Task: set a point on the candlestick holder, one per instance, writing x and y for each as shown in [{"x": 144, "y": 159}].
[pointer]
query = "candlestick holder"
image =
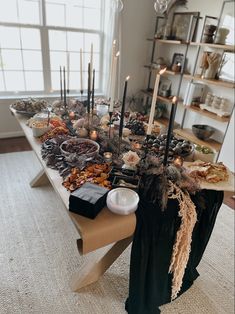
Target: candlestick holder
[
  {"x": 110, "y": 122},
  {"x": 119, "y": 145},
  {"x": 145, "y": 145},
  {"x": 81, "y": 92}
]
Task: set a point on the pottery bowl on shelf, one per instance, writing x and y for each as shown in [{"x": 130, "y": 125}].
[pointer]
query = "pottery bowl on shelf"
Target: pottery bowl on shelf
[
  {"x": 80, "y": 147},
  {"x": 202, "y": 131},
  {"x": 122, "y": 201}
]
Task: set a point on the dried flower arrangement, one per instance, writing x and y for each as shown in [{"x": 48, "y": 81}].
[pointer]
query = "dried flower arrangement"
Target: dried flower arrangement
[
  {"x": 158, "y": 185},
  {"x": 131, "y": 158}
]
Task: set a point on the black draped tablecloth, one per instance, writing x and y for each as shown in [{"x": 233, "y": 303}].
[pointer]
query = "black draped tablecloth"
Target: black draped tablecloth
[{"x": 150, "y": 282}]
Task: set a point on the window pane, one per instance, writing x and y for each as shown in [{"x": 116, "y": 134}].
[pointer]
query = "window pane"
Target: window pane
[
  {"x": 75, "y": 81},
  {"x": 12, "y": 59},
  {"x": 72, "y": 2},
  {"x": 57, "y": 40},
  {"x": 14, "y": 81},
  {"x": 30, "y": 38},
  {"x": 1, "y": 62},
  {"x": 55, "y": 80},
  {"x": 92, "y": 38},
  {"x": 29, "y": 11},
  {"x": 75, "y": 41},
  {"x": 75, "y": 61},
  {"x": 2, "y": 89},
  {"x": 58, "y": 59},
  {"x": 32, "y": 60},
  {"x": 9, "y": 37},
  {"x": 92, "y": 3},
  {"x": 55, "y": 14},
  {"x": 85, "y": 79},
  {"x": 97, "y": 80},
  {"x": 74, "y": 16},
  {"x": 8, "y": 11},
  {"x": 91, "y": 18},
  {"x": 34, "y": 81},
  {"x": 96, "y": 60}
]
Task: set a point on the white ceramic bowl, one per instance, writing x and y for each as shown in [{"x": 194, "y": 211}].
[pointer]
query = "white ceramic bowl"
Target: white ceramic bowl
[
  {"x": 204, "y": 157},
  {"x": 39, "y": 131},
  {"x": 122, "y": 201}
]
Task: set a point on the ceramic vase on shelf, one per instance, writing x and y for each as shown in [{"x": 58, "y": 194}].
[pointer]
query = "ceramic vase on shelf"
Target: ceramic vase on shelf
[
  {"x": 210, "y": 73},
  {"x": 216, "y": 102},
  {"x": 221, "y": 36},
  {"x": 209, "y": 99},
  {"x": 213, "y": 65},
  {"x": 167, "y": 31},
  {"x": 208, "y": 36}
]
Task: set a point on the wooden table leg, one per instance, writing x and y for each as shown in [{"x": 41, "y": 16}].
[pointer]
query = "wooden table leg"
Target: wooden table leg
[
  {"x": 39, "y": 180},
  {"x": 95, "y": 267}
]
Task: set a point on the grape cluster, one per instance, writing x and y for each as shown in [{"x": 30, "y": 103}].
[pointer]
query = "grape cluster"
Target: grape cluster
[
  {"x": 178, "y": 147},
  {"x": 136, "y": 127}
]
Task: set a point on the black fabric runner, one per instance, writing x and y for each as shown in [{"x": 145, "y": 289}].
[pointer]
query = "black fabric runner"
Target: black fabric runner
[{"x": 150, "y": 283}]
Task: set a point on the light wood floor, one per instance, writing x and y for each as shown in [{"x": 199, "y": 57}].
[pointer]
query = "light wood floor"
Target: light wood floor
[{"x": 20, "y": 144}]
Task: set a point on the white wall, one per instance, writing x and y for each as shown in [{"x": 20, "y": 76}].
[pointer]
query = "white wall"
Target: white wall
[
  {"x": 227, "y": 151},
  {"x": 8, "y": 124},
  {"x": 138, "y": 23}
]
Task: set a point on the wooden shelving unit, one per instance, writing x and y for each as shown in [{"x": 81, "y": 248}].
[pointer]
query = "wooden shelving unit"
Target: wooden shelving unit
[
  {"x": 164, "y": 99},
  {"x": 193, "y": 77},
  {"x": 172, "y": 42},
  {"x": 178, "y": 42},
  {"x": 188, "y": 134},
  {"x": 210, "y": 81},
  {"x": 207, "y": 114},
  {"x": 167, "y": 72},
  {"x": 164, "y": 122},
  {"x": 165, "y": 41},
  {"x": 215, "y": 46}
]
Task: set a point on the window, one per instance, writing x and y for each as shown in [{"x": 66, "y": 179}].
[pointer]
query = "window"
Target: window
[{"x": 39, "y": 36}]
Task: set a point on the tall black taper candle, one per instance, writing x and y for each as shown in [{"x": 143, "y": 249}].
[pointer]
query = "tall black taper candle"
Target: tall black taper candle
[
  {"x": 64, "y": 78},
  {"x": 61, "y": 86},
  {"x": 122, "y": 113},
  {"x": 170, "y": 129},
  {"x": 93, "y": 93},
  {"x": 89, "y": 90}
]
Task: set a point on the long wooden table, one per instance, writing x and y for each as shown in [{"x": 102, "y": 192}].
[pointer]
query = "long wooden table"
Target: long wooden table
[{"x": 94, "y": 235}]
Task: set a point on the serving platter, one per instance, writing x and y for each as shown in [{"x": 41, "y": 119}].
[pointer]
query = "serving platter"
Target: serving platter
[
  {"x": 228, "y": 186},
  {"x": 24, "y": 113}
]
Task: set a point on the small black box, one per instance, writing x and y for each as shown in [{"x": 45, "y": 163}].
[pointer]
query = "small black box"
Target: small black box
[{"x": 88, "y": 200}]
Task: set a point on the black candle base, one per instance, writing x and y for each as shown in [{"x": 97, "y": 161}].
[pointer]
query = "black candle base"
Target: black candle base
[{"x": 110, "y": 122}]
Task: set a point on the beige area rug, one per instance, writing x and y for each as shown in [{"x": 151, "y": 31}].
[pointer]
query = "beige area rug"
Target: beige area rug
[{"x": 38, "y": 256}]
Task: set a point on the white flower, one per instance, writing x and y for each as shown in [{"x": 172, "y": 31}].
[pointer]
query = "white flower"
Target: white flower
[{"x": 131, "y": 158}]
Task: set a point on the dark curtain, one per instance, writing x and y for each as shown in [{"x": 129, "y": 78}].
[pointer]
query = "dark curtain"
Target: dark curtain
[{"x": 150, "y": 283}]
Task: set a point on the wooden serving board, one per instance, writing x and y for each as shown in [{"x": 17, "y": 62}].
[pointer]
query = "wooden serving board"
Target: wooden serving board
[{"x": 228, "y": 186}]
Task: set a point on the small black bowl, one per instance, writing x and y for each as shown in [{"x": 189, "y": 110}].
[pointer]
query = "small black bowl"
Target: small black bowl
[{"x": 202, "y": 131}]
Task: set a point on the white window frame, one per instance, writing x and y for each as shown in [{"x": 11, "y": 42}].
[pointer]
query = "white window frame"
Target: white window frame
[{"x": 46, "y": 68}]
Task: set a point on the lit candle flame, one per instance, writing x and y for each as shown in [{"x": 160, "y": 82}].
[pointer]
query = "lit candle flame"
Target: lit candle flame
[
  {"x": 128, "y": 77},
  {"x": 162, "y": 71},
  {"x": 118, "y": 54},
  {"x": 174, "y": 100}
]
